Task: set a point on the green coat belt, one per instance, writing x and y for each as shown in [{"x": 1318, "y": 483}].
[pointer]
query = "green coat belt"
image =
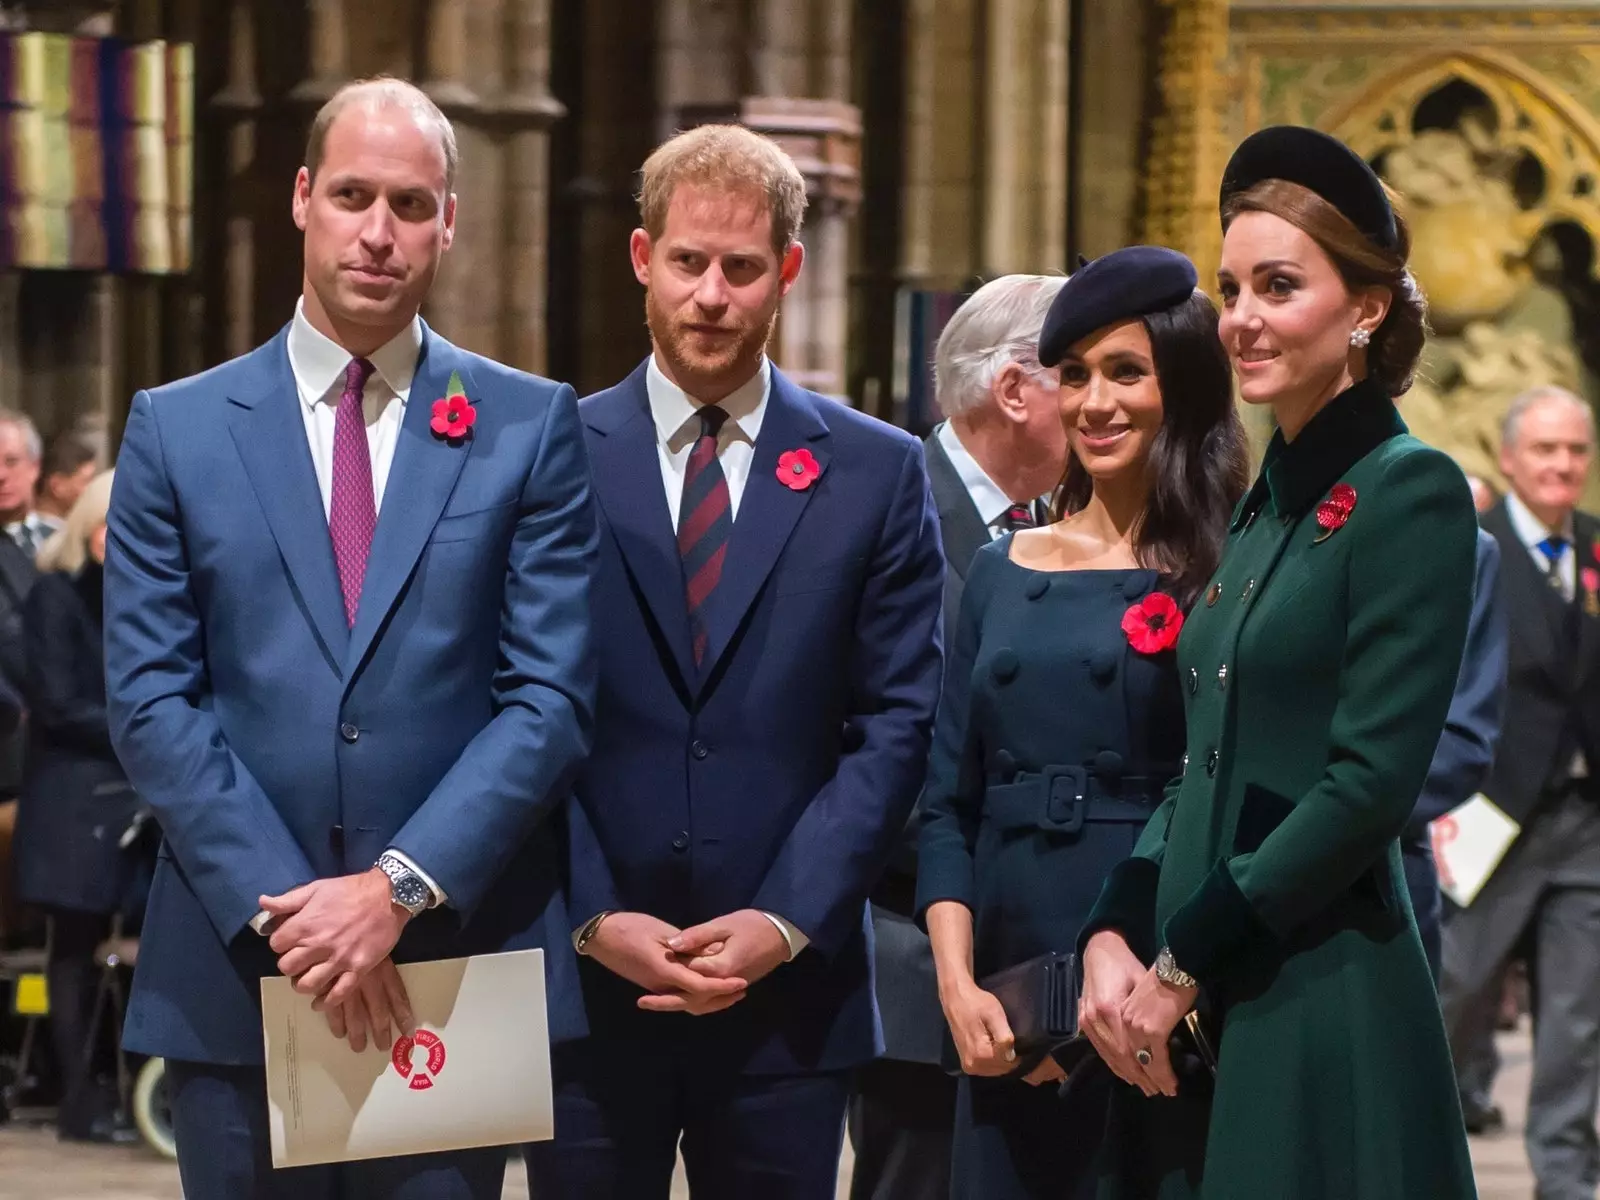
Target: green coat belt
[{"x": 1318, "y": 669}]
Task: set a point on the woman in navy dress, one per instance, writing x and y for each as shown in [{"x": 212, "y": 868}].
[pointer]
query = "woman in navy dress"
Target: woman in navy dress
[{"x": 1061, "y": 682}]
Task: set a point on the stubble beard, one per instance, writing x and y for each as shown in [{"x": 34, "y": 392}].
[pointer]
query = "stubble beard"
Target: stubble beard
[{"x": 706, "y": 374}]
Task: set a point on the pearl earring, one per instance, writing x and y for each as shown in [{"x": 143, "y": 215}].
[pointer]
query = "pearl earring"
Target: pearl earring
[{"x": 1359, "y": 338}]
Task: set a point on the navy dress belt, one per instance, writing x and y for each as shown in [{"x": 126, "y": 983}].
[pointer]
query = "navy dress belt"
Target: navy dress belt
[{"x": 1063, "y": 799}]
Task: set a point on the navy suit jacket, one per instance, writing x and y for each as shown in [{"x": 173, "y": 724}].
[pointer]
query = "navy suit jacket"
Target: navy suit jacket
[
  {"x": 1466, "y": 749},
  {"x": 779, "y": 774},
  {"x": 277, "y": 746}
]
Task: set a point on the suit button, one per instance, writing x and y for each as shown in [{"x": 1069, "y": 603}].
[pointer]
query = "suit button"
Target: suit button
[
  {"x": 1212, "y": 592},
  {"x": 1211, "y": 764},
  {"x": 1183, "y": 767},
  {"x": 349, "y": 732},
  {"x": 1222, "y": 677},
  {"x": 681, "y": 842},
  {"x": 336, "y": 839},
  {"x": 699, "y": 749},
  {"x": 1249, "y": 586},
  {"x": 1194, "y": 681}
]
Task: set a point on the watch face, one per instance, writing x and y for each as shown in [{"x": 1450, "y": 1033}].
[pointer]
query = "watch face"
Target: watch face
[{"x": 411, "y": 892}]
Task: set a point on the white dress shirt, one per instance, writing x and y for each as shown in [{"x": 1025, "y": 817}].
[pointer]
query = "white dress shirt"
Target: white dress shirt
[
  {"x": 987, "y": 497},
  {"x": 318, "y": 364},
  {"x": 1530, "y": 531},
  {"x": 33, "y": 531},
  {"x": 677, "y": 429}
]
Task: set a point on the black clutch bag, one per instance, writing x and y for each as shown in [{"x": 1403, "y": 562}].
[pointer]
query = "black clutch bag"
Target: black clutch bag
[{"x": 1040, "y": 998}]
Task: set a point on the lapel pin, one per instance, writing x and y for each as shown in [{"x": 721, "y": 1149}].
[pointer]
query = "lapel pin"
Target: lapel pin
[
  {"x": 453, "y": 416},
  {"x": 798, "y": 469},
  {"x": 1590, "y": 578},
  {"x": 1333, "y": 512}
]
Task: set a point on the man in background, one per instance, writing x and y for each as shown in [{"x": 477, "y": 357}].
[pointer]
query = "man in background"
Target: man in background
[{"x": 992, "y": 465}]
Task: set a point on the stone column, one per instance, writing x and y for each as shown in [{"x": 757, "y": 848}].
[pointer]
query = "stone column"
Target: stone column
[
  {"x": 330, "y": 52},
  {"x": 529, "y": 109},
  {"x": 942, "y": 193},
  {"x": 446, "y": 55},
  {"x": 239, "y": 106}
]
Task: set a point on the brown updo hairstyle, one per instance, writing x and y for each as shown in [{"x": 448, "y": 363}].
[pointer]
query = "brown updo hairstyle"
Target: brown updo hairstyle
[{"x": 1397, "y": 343}]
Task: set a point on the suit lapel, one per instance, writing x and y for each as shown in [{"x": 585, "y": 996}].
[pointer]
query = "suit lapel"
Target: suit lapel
[
  {"x": 962, "y": 524},
  {"x": 768, "y": 511},
  {"x": 627, "y": 478},
  {"x": 269, "y": 431},
  {"x": 1528, "y": 594},
  {"x": 421, "y": 478}
]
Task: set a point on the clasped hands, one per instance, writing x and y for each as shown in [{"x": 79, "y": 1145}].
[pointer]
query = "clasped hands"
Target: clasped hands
[
  {"x": 1125, "y": 1009},
  {"x": 700, "y": 970},
  {"x": 333, "y": 938}
]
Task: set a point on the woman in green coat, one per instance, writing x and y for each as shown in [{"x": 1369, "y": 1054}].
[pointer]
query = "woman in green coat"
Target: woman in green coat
[{"x": 1318, "y": 667}]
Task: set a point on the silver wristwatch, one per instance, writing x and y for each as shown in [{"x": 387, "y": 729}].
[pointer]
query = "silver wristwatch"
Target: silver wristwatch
[
  {"x": 406, "y": 887},
  {"x": 1168, "y": 971}
]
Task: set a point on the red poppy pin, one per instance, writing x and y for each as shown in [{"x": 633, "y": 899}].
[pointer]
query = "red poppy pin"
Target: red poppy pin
[
  {"x": 454, "y": 415},
  {"x": 1333, "y": 512},
  {"x": 798, "y": 469},
  {"x": 1590, "y": 578},
  {"x": 1153, "y": 624}
]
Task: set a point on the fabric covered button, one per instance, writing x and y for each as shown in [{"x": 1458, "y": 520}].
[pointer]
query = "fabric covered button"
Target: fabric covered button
[
  {"x": 1133, "y": 589},
  {"x": 1003, "y": 763},
  {"x": 1103, "y": 666},
  {"x": 1108, "y": 764},
  {"x": 1037, "y": 586},
  {"x": 1004, "y": 665}
]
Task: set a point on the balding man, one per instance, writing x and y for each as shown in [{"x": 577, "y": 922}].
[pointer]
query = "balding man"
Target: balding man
[
  {"x": 1544, "y": 776},
  {"x": 348, "y": 660}
]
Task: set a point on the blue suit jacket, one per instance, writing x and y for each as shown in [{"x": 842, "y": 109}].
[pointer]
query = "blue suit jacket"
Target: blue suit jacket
[
  {"x": 1466, "y": 748},
  {"x": 779, "y": 774},
  {"x": 278, "y": 746}
]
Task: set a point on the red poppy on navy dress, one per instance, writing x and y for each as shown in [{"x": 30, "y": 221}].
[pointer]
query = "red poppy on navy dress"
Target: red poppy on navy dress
[
  {"x": 1153, "y": 624},
  {"x": 798, "y": 469}
]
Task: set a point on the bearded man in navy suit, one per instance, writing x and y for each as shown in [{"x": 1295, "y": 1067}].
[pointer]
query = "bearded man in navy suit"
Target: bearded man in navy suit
[
  {"x": 770, "y": 587},
  {"x": 348, "y": 661}
]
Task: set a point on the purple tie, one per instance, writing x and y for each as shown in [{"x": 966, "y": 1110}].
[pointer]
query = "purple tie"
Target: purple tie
[{"x": 353, "y": 513}]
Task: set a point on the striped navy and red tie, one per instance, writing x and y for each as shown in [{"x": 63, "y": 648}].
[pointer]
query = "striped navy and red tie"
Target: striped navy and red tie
[{"x": 705, "y": 522}]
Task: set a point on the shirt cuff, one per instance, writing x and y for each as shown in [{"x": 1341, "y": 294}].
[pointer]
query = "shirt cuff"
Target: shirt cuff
[
  {"x": 260, "y": 921},
  {"x": 793, "y": 938},
  {"x": 439, "y": 897}
]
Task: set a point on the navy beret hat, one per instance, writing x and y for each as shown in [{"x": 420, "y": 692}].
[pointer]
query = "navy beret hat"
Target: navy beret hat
[
  {"x": 1132, "y": 282},
  {"x": 1321, "y": 164}
]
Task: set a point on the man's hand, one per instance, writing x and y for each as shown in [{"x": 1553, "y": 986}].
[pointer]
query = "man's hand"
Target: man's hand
[
  {"x": 751, "y": 946},
  {"x": 378, "y": 1008},
  {"x": 331, "y": 932},
  {"x": 635, "y": 946}
]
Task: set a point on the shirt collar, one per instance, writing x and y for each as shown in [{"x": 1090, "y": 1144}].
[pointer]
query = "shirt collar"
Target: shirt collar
[
  {"x": 1529, "y": 529},
  {"x": 319, "y": 363},
  {"x": 672, "y": 410},
  {"x": 987, "y": 497}
]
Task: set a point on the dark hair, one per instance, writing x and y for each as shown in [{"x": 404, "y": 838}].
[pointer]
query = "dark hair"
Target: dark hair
[
  {"x": 67, "y": 454},
  {"x": 1198, "y": 463},
  {"x": 1397, "y": 342}
]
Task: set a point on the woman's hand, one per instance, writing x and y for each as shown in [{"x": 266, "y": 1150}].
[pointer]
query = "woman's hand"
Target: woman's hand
[
  {"x": 1048, "y": 1071},
  {"x": 1111, "y": 973},
  {"x": 980, "y": 1029},
  {"x": 1150, "y": 1015}
]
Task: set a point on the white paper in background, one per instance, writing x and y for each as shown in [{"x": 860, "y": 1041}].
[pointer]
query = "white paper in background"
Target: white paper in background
[
  {"x": 1468, "y": 843},
  {"x": 476, "y": 1074}
]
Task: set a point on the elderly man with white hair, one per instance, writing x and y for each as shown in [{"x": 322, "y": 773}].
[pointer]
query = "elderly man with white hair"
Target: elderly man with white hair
[
  {"x": 993, "y": 465},
  {"x": 1546, "y": 777}
]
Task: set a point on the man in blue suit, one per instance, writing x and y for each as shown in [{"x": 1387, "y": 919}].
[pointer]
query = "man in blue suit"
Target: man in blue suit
[
  {"x": 1466, "y": 748},
  {"x": 349, "y": 661},
  {"x": 769, "y": 588}
]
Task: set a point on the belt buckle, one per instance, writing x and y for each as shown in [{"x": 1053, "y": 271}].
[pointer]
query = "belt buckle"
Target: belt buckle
[{"x": 1066, "y": 799}]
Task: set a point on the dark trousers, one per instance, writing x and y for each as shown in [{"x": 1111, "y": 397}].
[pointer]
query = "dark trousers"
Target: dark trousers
[
  {"x": 74, "y": 977},
  {"x": 902, "y": 1120},
  {"x": 1549, "y": 883},
  {"x": 220, "y": 1117},
  {"x": 1017, "y": 1142},
  {"x": 620, "y": 1116}
]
